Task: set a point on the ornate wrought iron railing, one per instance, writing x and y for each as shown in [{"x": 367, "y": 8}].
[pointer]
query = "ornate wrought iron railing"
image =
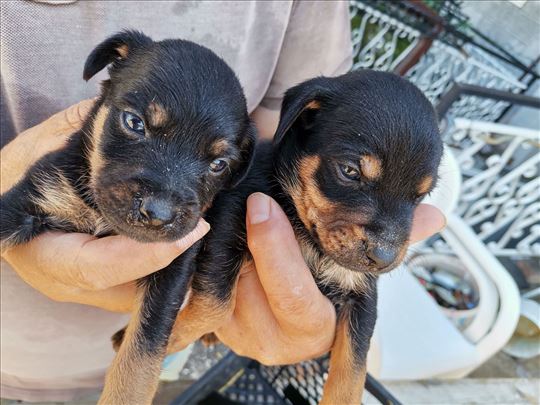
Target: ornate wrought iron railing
[
  {"x": 383, "y": 42},
  {"x": 500, "y": 195},
  {"x": 443, "y": 65},
  {"x": 379, "y": 41}
]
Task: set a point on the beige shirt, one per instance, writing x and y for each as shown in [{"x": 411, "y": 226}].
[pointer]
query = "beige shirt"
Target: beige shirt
[{"x": 56, "y": 351}]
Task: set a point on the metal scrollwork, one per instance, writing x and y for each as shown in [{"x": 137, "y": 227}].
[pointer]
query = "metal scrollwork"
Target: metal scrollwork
[
  {"x": 500, "y": 195},
  {"x": 379, "y": 41}
]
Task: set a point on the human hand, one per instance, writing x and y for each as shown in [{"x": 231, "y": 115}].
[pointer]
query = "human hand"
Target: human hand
[
  {"x": 76, "y": 267},
  {"x": 34, "y": 143},
  {"x": 281, "y": 317}
]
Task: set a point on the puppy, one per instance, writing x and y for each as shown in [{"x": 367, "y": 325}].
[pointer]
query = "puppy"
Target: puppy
[
  {"x": 351, "y": 159},
  {"x": 168, "y": 132}
]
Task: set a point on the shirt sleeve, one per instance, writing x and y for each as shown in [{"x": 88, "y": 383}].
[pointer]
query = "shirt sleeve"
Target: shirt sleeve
[{"x": 317, "y": 42}]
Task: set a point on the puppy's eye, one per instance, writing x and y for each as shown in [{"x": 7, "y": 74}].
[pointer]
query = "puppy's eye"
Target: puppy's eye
[
  {"x": 133, "y": 123},
  {"x": 349, "y": 172},
  {"x": 218, "y": 165}
]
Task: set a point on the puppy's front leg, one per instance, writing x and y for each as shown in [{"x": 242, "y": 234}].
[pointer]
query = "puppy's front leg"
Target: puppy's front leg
[
  {"x": 204, "y": 314},
  {"x": 133, "y": 377},
  {"x": 212, "y": 299},
  {"x": 347, "y": 373}
]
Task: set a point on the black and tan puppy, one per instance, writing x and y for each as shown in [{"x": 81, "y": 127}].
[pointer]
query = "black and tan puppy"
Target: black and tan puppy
[
  {"x": 169, "y": 131},
  {"x": 351, "y": 159}
]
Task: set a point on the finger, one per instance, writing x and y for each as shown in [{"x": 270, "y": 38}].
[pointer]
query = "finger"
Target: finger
[
  {"x": 97, "y": 264},
  {"x": 243, "y": 333},
  {"x": 120, "y": 298},
  {"x": 32, "y": 144},
  {"x": 71, "y": 119},
  {"x": 289, "y": 286},
  {"x": 427, "y": 221},
  {"x": 122, "y": 259}
]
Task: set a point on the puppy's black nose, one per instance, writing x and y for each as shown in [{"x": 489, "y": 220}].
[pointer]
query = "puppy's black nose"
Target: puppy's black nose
[
  {"x": 383, "y": 257},
  {"x": 156, "y": 211}
]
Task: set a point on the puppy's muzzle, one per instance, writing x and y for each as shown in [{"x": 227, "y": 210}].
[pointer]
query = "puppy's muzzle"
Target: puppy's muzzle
[
  {"x": 382, "y": 257},
  {"x": 162, "y": 211},
  {"x": 156, "y": 212}
]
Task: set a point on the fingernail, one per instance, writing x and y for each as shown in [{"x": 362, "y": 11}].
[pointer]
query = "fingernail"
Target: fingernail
[
  {"x": 445, "y": 223},
  {"x": 205, "y": 225},
  {"x": 200, "y": 230},
  {"x": 258, "y": 208}
]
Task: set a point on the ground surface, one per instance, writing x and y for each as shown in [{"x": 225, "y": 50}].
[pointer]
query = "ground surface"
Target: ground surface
[{"x": 502, "y": 380}]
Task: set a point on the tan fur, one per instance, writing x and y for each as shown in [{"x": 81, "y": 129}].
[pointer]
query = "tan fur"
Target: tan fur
[
  {"x": 313, "y": 105},
  {"x": 345, "y": 382},
  {"x": 123, "y": 51},
  {"x": 345, "y": 237},
  {"x": 209, "y": 339},
  {"x": 310, "y": 204},
  {"x": 425, "y": 185},
  {"x": 95, "y": 157},
  {"x": 202, "y": 314},
  {"x": 60, "y": 200},
  {"x": 371, "y": 167},
  {"x": 315, "y": 210},
  {"x": 328, "y": 271},
  {"x": 157, "y": 114},
  {"x": 219, "y": 147},
  {"x": 122, "y": 387}
]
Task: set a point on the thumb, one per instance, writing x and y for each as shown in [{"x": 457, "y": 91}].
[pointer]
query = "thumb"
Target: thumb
[{"x": 283, "y": 273}]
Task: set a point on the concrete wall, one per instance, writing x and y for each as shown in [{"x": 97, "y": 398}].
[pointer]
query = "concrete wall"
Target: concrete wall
[{"x": 516, "y": 26}]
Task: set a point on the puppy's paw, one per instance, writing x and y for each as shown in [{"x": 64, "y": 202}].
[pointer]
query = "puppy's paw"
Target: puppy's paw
[
  {"x": 210, "y": 339},
  {"x": 117, "y": 339}
]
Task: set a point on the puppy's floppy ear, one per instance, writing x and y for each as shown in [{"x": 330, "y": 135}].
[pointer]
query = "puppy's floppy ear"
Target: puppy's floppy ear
[
  {"x": 247, "y": 155},
  {"x": 307, "y": 96},
  {"x": 117, "y": 47}
]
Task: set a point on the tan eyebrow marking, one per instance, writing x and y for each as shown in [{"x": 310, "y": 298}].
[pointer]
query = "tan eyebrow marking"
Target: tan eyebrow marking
[
  {"x": 219, "y": 147},
  {"x": 313, "y": 105},
  {"x": 123, "y": 51},
  {"x": 156, "y": 114},
  {"x": 425, "y": 185},
  {"x": 371, "y": 167}
]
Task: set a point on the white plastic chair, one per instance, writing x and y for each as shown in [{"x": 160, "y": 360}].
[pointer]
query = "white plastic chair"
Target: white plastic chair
[{"x": 413, "y": 339}]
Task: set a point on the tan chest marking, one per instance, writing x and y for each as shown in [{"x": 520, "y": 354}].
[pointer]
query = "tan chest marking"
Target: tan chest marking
[{"x": 327, "y": 271}]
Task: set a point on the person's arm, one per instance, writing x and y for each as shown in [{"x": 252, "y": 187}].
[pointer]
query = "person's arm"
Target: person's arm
[
  {"x": 76, "y": 267},
  {"x": 266, "y": 121}
]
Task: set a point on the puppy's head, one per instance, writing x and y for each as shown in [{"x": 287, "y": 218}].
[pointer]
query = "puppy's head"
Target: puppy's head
[
  {"x": 171, "y": 129},
  {"x": 356, "y": 154}
]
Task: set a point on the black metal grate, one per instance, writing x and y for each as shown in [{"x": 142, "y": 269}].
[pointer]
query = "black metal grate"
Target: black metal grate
[
  {"x": 236, "y": 380},
  {"x": 306, "y": 379}
]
